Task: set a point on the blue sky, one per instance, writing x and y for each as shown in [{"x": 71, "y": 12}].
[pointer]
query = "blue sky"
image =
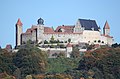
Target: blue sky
[{"x": 56, "y": 12}]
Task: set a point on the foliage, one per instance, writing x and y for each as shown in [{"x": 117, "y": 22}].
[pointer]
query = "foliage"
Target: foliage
[
  {"x": 115, "y": 45},
  {"x": 61, "y": 55},
  {"x": 6, "y": 76},
  {"x": 46, "y": 42},
  {"x": 6, "y": 64},
  {"x": 28, "y": 77},
  {"x": 52, "y": 46},
  {"x": 104, "y": 63},
  {"x": 75, "y": 53},
  {"x": 62, "y": 46},
  {"x": 58, "y": 76},
  {"x": 30, "y": 60},
  {"x": 52, "y": 40},
  {"x": 69, "y": 40},
  {"x": 59, "y": 65},
  {"x": 90, "y": 47}
]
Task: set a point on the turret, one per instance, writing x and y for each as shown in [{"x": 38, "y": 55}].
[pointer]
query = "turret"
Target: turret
[
  {"x": 18, "y": 32},
  {"x": 106, "y": 29},
  {"x": 40, "y": 29},
  {"x": 40, "y": 21}
]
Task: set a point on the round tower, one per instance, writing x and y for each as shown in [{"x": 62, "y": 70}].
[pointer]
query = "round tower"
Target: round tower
[
  {"x": 18, "y": 32},
  {"x": 40, "y": 30}
]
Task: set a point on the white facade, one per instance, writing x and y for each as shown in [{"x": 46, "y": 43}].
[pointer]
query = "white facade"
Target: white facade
[{"x": 82, "y": 31}]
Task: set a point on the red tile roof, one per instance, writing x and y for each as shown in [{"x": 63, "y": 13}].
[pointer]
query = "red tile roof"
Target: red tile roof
[
  {"x": 107, "y": 36},
  {"x": 30, "y": 30},
  {"x": 106, "y": 26},
  {"x": 61, "y": 33},
  {"x": 67, "y": 28},
  {"x": 48, "y": 30},
  {"x": 68, "y": 45},
  {"x": 19, "y": 22}
]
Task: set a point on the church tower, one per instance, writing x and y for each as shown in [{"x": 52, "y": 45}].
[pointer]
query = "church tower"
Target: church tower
[
  {"x": 18, "y": 32},
  {"x": 40, "y": 30},
  {"x": 106, "y": 29}
]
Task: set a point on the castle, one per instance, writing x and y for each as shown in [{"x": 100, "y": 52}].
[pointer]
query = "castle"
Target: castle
[{"x": 84, "y": 31}]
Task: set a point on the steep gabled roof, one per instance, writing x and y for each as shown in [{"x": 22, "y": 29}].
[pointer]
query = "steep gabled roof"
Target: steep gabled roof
[
  {"x": 106, "y": 26},
  {"x": 19, "y": 22},
  {"x": 67, "y": 28},
  {"x": 48, "y": 30},
  {"x": 89, "y": 24}
]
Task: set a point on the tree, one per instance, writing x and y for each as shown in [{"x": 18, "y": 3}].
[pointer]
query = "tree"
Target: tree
[
  {"x": 52, "y": 40},
  {"x": 61, "y": 55},
  {"x": 115, "y": 45},
  {"x": 69, "y": 40},
  {"x": 45, "y": 42},
  {"x": 75, "y": 53},
  {"x": 30, "y": 61},
  {"x": 90, "y": 47},
  {"x": 6, "y": 64},
  {"x": 104, "y": 62}
]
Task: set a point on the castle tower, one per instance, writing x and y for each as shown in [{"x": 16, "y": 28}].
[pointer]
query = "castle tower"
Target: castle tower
[
  {"x": 40, "y": 30},
  {"x": 18, "y": 32},
  {"x": 106, "y": 29}
]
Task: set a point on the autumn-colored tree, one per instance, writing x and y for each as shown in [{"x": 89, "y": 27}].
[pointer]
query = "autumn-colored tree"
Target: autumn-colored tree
[
  {"x": 6, "y": 64},
  {"x": 30, "y": 61},
  {"x": 75, "y": 53}
]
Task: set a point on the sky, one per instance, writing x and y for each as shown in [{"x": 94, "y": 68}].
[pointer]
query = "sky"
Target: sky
[{"x": 55, "y": 13}]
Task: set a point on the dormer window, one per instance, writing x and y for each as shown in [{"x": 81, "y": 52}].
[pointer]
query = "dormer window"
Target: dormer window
[{"x": 61, "y": 30}]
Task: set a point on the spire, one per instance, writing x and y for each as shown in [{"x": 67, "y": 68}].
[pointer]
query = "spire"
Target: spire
[
  {"x": 19, "y": 22},
  {"x": 106, "y": 26}
]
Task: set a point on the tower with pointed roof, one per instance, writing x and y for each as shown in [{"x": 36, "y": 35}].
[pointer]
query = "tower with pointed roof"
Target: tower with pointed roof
[
  {"x": 106, "y": 29},
  {"x": 18, "y": 32}
]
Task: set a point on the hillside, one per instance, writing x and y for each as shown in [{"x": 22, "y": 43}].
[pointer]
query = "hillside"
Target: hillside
[{"x": 30, "y": 62}]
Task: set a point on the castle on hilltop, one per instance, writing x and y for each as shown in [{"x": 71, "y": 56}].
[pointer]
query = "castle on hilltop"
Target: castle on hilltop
[{"x": 84, "y": 31}]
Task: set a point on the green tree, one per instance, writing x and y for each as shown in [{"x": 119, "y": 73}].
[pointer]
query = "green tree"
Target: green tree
[
  {"x": 61, "y": 55},
  {"x": 105, "y": 63},
  {"x": 69, "y": 40},
  {"x": 52, "y": 39},
  {"x": 6, "y": 64},
  {"x": 75, "y": 53},
  {"x": 30, "y": 61},
  {"x": 46, "y": 42}
]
